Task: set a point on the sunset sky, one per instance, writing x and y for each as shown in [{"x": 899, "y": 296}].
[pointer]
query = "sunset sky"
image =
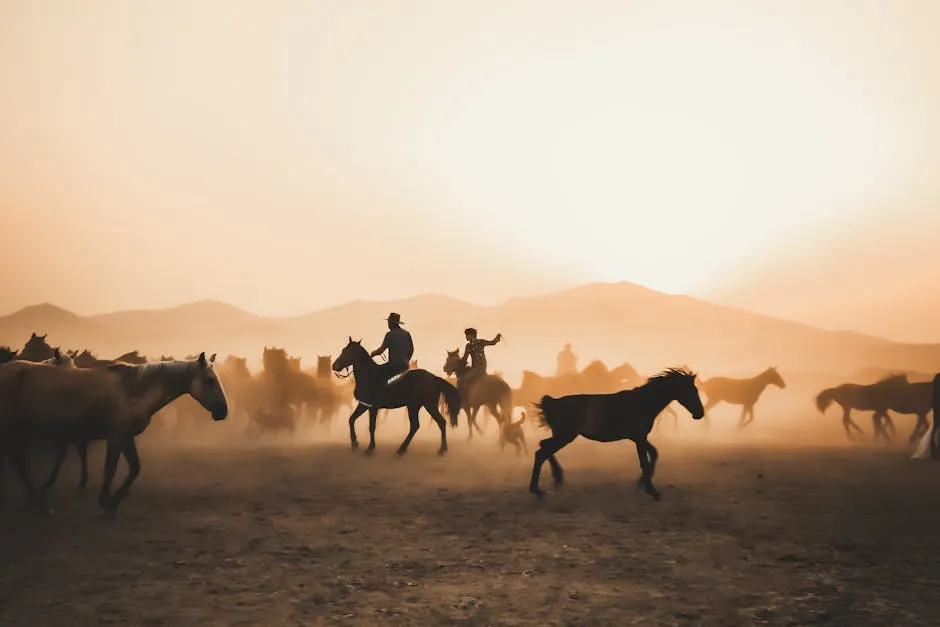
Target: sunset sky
[{"x": 284, "y": 156}]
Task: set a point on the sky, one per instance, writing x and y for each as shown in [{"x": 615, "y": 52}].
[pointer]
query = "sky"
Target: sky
[{"x": 284, "y": 156}]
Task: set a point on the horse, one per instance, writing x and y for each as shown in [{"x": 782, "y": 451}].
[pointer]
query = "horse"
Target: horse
[
  {"x": 849, "y": 396},
  {"x": 413, "y": 389},
  {"x": 625, "y": 415},
  {"x": 903, "y": 397},
  {"x": 59, "y": 359},
  {"x": 36, "y": 349},
  {"x": 744, "y": 392},
  {"x": 7, "y": 354},
  {"x": 85, "y": 359},
  {"x": 113, "y": 403},
  {"x": 487, "y": 390},
  {"x": 135, "y": 358}
]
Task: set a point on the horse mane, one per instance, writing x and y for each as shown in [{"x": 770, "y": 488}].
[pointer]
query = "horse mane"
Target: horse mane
[
  {"x": 670, "y": 374},
  {"x": 892, "y": 378},
  {"x": 136, "y": 375}
]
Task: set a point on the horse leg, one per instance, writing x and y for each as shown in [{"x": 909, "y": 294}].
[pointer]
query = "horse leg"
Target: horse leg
[
  {"x": 648, "y": 455},
  {"x": 742, "y": 421},
  {"x": 889, "y": 422},
  {"x": 438, "y": 417},
  {"x": 919, "y": 429},
  {"x": 19, "y": 459},
  {"x": 56, "y": 466},
  {"x": 129, "y": 449},
  {"x": 373, "y": 417},
  {"x": 472, "y": 421},
  {"x": 111, "y": 457},
  {"x": 82, "y": 448},
  {"x": 413, "y": 429},
  {"x": 360, "y": 409},
  {"x": 546, "y": 453},
  {"x": 848, "y": 424},
  {"x": 525, "y": 447}
]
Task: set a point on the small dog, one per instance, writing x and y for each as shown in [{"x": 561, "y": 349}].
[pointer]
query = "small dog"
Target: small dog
[{"x": 511, "y": 433}]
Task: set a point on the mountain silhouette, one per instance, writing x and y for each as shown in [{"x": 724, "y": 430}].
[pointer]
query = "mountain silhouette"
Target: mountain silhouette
[{"x": 615, "y": 322}]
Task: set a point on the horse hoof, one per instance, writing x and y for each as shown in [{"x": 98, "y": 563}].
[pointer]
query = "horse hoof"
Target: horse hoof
[
  {"x": 368, "y": 452},
  {"x": 657, "y": 496},
  {"x": 539, "y": 493},
  {"x": 354, "y": 446},
  {"x": 401, "y": 451},
  {"x": 442, "y": 452}
]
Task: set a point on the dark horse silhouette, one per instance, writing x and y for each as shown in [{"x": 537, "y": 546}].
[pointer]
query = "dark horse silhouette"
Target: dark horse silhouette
[
  {"x": 7, "y": 354},
  {"x": 488, "y": 390},
  {"x": 626, "y": 415},
  {"x": 413, "y": 389}
]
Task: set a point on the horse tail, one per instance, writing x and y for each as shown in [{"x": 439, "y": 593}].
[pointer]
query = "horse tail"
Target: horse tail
[
  {"x": 824, "y": 399},
  {"x": 545, "y": 412},
  {"x": 452, "y": 398}
]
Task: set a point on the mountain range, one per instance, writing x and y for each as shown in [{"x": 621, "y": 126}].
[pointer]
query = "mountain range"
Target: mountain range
[{"x": 615, "y": 322}]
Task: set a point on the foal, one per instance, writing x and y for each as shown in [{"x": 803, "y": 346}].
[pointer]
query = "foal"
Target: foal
[{"x": 626, "y": 415}]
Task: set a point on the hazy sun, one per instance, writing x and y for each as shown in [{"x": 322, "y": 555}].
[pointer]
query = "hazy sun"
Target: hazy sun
[{"x": 670, "y": 153}]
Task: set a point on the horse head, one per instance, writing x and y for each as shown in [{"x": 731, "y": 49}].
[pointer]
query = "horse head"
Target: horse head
[
  {"x": 351, "y": 354},
  {"x": 773, "y": 377},
  {"x": 6, "y": 354},
  {"x": 686, "y": 392},
  {"x": 275, "y": 359},
  {"x": 452, "y": 362},
  {"x": 206, "y": 387},
  {"x": 36, "y": 349}
]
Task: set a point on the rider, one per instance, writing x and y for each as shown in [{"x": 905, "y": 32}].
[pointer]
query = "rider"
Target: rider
[
  {"x": 475, "y": 353},
  {"x": 399, "y": 346},
  {"x": 567, "y": 362}
]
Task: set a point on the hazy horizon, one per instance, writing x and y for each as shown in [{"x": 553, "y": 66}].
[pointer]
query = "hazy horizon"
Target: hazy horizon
[{"x": 285, "y": 157}]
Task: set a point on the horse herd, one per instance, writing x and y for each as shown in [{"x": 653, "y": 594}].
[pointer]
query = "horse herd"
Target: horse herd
[{"x": 72, "y": 398}]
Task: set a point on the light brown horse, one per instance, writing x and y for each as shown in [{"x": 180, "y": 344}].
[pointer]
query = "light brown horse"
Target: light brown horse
[
  {"x": 488, "y": 390},
  {"x": 744, "y": 392},
  {"x": 86, "y": 359},
  {"x": 113, "y": 403}
]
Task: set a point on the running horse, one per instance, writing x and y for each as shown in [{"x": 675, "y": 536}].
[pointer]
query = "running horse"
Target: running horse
[
  {"x": 871, "y": 397},
  {"x": 625, "y": 415},
  {"x": 113, "y": 403},
  {"x": 414, "y": 389},
  {"x": 487, "y": 390},
  {"x": 744, "y": 392}
]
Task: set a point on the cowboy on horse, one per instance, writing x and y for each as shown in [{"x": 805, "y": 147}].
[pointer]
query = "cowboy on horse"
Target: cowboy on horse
[
  {"x": 399, "y": 346},
  {"x": 475, "y": 352}
]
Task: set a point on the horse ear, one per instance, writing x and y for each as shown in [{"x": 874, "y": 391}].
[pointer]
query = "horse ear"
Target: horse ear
[
  {"x": 350, "y": 340},
  {"x": 33, "y": 336},
  {"x": 43, "y": 336},
  {"x": 201, "y": 359},
  {"x": 212, "y": 359},
  {"x": 58, "y": 355}
]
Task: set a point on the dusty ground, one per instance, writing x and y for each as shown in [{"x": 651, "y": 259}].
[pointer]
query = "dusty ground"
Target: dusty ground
[{"x": 312, "y": 534}]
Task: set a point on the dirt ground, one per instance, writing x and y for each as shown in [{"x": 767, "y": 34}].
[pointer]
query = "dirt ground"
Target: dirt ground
[{"x": 312, "y": 533}]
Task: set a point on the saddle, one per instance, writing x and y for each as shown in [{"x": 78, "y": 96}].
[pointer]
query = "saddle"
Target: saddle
[{"x": 388, "y": 383}]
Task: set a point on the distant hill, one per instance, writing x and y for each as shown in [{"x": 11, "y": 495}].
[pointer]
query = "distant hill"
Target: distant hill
[{"x": 611, "y": 321}]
